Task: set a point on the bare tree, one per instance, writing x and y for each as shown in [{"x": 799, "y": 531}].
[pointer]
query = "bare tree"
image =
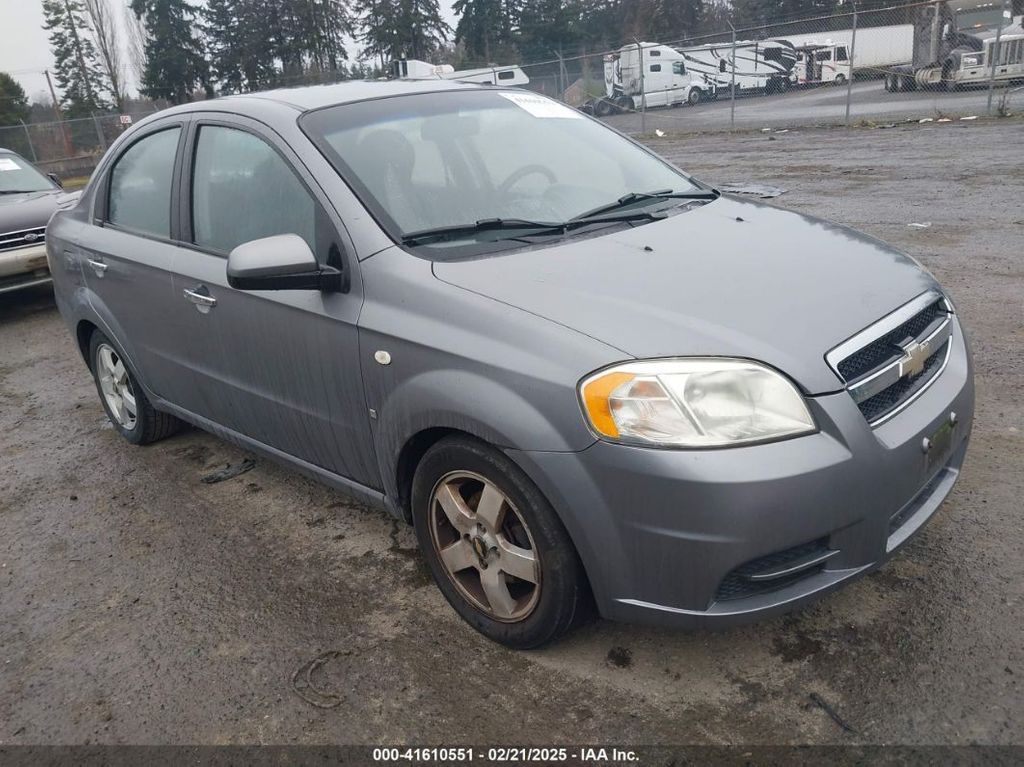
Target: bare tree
[
  {"x": 136, "y": 42},
  {"x": 108, "y": 43}
]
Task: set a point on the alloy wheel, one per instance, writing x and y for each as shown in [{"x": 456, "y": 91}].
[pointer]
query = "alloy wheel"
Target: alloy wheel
[
  {"x": 116, "y": 385},
  {"x": 485, "y": 546}
]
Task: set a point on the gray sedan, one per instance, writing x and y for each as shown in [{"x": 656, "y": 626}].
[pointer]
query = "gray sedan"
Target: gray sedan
[{"x": 591, "y": 382}]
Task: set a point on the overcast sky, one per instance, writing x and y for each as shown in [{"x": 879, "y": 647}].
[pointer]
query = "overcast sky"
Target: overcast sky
[{"x": 25, "y": 50}]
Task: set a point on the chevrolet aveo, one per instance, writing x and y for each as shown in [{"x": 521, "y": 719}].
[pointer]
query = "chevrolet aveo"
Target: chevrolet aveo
[{"x": 587, "y": 379}]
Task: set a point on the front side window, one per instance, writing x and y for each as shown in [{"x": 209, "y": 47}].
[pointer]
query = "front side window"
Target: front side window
[
  {"x": 841, "y": 54},
  {"x": 455, "y": 158},
  {"x": 140, "y": 184},
  {"x": 243, "y": 190},
  {"x": 678, "y": 68}
]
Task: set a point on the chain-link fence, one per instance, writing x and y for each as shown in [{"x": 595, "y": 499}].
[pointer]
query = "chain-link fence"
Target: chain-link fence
[
  {"x": 877, "y": 63},
  {"x": 70, "y": 147},
  {"x": 923, "y": 61}
]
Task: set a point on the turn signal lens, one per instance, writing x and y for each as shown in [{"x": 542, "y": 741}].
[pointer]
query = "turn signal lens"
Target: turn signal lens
[{"x": 694, "y": 402}]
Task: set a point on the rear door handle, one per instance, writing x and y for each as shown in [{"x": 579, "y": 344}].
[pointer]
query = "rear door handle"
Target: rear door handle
[
  {"x": 98, "y": 266},
  {"x": 203, "y": 301}
]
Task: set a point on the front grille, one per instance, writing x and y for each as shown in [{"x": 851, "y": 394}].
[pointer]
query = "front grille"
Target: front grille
[
  {"x": 885, "y": 402},
  {"x": 892, "y": 362},
  {"x": 20, "y": 239},
  {"x": 738, "y": 585},
  {"x": 887, "y": 348}
]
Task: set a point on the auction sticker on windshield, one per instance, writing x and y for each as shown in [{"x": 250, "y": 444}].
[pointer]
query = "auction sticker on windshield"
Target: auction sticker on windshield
[
  {"x": 6, "y": 163},
  {"x": 539, "y": 106}
]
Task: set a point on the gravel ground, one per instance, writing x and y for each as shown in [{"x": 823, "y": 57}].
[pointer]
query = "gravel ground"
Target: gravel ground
[{"x": 140, "y": 605}]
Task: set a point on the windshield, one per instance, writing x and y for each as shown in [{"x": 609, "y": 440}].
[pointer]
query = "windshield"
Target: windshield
[
  {"x": 455, "y": 158},
  {"x": 16, "y": 175}
]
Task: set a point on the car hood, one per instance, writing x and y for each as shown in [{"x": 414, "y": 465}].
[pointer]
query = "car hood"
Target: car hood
[
  {"x": 27, "y": 211},
  {"x": 729, "y": 278}
]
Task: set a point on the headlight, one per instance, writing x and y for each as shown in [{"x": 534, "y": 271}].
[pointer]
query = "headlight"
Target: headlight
[{"x": 695, "y": 402}]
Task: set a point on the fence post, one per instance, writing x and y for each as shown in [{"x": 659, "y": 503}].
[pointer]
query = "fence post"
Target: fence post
[
  {"x": 732, "y": 87},
  {"x": 853, "y": 49},
  {"x": 31, "y": 146},
  {"x": 994, "y": 56},
  {"x": 99, "y": 131},
  {"x": 643, "y": 90}
]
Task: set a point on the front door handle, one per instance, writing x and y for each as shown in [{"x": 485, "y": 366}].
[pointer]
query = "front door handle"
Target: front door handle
[
  {"x": 98, "y": 266},
  {"x": 203, "y": 301}
]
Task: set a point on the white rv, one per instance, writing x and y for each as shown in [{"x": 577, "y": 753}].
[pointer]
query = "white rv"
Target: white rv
[
  {"x": 760, "y": 65},
  {"x": 651, "y": 75},
  {"x": 413, "y": 69},
  {"x": 826, "y": 62}
]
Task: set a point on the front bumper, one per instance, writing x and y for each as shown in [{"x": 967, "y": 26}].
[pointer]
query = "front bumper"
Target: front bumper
[
  {"x": 662, "y": 532},
  {"x": 23, "y": 267}
]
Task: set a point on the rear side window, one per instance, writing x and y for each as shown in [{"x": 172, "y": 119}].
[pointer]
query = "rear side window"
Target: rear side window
[
  {"x": 655, "y": 67},
  {"x": 140, "y": 184},
  {"x": 243, "y": 190}
]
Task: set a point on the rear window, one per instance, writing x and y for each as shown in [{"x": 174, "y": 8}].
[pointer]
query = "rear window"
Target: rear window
[{"x": 140, "y": 184}]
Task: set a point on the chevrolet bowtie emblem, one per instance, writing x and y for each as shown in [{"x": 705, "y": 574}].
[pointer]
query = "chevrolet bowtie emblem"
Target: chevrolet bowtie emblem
[{"x": 915, "y": 355}]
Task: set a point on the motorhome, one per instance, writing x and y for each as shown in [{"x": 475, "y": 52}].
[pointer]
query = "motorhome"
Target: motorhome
[
  {"x": 413, "y": 69},
  {"x": 818, "y": 63}
]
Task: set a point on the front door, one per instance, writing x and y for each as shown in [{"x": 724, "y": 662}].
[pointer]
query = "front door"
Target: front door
[{"x": 281, "y": 367}]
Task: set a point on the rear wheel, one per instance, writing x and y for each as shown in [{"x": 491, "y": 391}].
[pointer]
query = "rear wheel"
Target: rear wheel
[
  {"x": 494, "y": 545},
  {"x": 124, "y": 401}
]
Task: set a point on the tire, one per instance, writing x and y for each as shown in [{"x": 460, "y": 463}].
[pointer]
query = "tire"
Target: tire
[
  {"x": 146, "y": 424},
  {"x": 840, "y": 80},
  {"x": 517, "y": 612},
  {"x": 602, "y": 108},
  {"x": 693, "y": 98}
]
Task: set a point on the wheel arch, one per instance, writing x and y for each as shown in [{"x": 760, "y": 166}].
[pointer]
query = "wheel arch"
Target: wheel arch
[{"x": 83, "y": 334}]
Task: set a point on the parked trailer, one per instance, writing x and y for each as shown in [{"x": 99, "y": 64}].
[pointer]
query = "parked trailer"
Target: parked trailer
[
  {"x": 876, "y": 50},
  {"x": 760, "y": 65},
  {"x": 413, "y": 69}
]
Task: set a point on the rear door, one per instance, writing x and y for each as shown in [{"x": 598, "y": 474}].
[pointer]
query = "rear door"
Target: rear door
[
  {"x": 281, "y": 367},
  {"x": 127, "y": 256}
]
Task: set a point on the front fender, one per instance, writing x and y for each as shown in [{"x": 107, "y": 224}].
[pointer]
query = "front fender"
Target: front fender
[{"x": 464, "y": 402}]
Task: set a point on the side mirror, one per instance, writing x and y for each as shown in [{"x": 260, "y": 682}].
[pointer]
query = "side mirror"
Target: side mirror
[
  {"x": 281, "y": 262},
  {"x": 55, "y": 179}
]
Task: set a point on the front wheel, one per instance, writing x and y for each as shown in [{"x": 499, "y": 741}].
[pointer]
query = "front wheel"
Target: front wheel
[
  {"x": 840, "y": 80},
  {"x": 693, "y": 97},
  {"x": 124, "y": 401},
  {"x": 494, "y": 545}
]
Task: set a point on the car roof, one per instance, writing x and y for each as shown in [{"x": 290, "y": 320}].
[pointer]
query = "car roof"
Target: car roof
[{"x": 311, "y": 97}]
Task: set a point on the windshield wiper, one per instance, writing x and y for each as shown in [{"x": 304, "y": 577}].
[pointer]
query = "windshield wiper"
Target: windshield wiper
[
  {"x": 634, "y": 197},
  {"x": 20, "y": 191},
  {"x": 483, "y": 225}
]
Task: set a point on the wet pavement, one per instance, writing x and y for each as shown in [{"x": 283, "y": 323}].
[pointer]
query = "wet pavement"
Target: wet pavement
[{"x": 139, "y": 604}]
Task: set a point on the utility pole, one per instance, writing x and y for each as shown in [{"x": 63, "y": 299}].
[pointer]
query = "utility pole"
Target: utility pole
[
  {"x": 59, "y": 115},
  {"x": 643, "y": 90}
]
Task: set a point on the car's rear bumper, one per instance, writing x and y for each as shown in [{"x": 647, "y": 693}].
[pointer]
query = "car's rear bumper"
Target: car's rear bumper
[
  {"x": 23, "y": 268},
  {"x": 678, "y": 537}
]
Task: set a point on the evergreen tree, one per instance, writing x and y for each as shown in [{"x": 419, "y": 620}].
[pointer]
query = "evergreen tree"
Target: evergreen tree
[
  {"x": 79, "y": 76},
  {"x": 13, "y": 102},
  {"x": 393, "y": 29},
  {"x": 175, "y": 61},
  {"x": 485, "y": 28}
]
